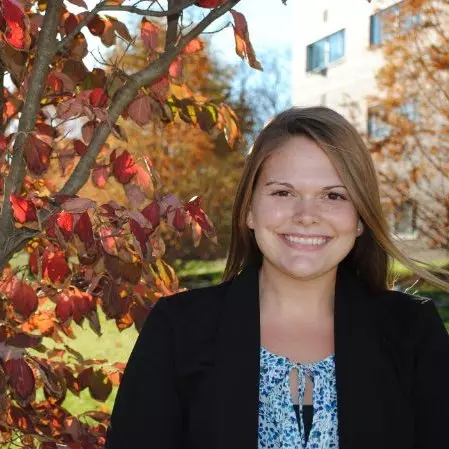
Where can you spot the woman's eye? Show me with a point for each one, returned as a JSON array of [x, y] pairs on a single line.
[[280, 193], [332, 195]]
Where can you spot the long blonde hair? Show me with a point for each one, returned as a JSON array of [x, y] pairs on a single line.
[[373, 251]]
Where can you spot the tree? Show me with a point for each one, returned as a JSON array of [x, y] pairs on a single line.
[[84, 255], [189, 160], [409, 117], [259, 96]]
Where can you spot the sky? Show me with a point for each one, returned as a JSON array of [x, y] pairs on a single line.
[[271, 29], [270, 24]]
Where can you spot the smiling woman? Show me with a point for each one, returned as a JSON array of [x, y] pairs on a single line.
[[304, 344], [302, 221]]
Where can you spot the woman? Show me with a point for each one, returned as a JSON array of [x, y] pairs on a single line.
[[303, 344]]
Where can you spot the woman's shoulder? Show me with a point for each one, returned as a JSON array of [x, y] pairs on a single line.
[[411, 312], [196, 305]]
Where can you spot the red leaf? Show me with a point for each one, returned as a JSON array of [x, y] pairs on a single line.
[[98, 97], [37, 154], [60, 82], [80, 3], [100, 176], [135, 196], [24, 340], [100, 386], [153, 213], [87, 131], [23, 210], [33, 262], [175, 69], [120, 28], [55, 84], [194, 46], [108, 240], [22, 296], [78, 205], [96, 26], [70, 108], [4, 143], [160, 88], [70, 23], [21, 377], [243, 46], [65, 160], [83, 304], [80, 147], [83, 229], [179, 220], [140, 110], [54, 265], [64, 308], [193, 207], [149, 33], [143, 178], [18, 418], [84, 376], [17, 24], [78, 47], [141, 235], [124, 167], [209, 3], [65, 224]]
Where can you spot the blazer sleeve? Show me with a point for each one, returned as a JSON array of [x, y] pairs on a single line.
[[147, 411], [430, 388]]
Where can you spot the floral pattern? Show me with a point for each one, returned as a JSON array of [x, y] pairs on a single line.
[[278, 426]]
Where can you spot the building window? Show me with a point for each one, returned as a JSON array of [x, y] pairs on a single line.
[[405, 223], [379, 129], [390, 20], [326, 50], [410, 111]]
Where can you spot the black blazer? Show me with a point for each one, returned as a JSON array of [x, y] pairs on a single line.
[[192, 381]]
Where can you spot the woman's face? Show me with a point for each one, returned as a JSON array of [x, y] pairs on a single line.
[[303, 219]]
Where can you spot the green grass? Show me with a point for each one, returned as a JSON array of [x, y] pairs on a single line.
[[113, 345], [116, 346], [402, 271]]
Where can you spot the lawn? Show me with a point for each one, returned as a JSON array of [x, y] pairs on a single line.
[[116, 346]]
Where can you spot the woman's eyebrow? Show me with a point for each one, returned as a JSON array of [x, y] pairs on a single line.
[[286, 184]]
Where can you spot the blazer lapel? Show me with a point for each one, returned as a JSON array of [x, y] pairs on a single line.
[[238, 364], [360, 392], [357, 348]]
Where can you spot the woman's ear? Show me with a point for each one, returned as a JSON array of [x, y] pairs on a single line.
[[250, 220], [360, 228]]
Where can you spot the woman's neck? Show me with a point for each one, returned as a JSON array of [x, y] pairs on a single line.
[[287, 296]]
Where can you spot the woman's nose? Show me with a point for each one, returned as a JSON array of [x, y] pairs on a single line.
[[305, 210]]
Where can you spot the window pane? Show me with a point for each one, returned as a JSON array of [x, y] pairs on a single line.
[[315, 55], [337, 46], [406, 218], [375, 31]]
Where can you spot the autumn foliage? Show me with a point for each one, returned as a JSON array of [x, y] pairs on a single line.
[[410, 141], [84, 255]]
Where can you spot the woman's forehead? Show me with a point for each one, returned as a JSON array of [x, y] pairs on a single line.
[[297, 164]]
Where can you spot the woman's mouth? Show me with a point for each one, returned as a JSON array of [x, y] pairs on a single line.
[[305, 243]]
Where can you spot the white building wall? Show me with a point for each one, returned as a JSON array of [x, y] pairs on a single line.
[[352, 77]]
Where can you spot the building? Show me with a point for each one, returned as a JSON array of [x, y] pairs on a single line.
[[335, 58]]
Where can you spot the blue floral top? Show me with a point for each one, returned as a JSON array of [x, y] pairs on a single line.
[[278, 425]]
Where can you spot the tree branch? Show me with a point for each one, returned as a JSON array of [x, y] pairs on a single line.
[[172, 26], [2, 97], [102, 6], [211, 17], [41, 66], [127, 93]]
